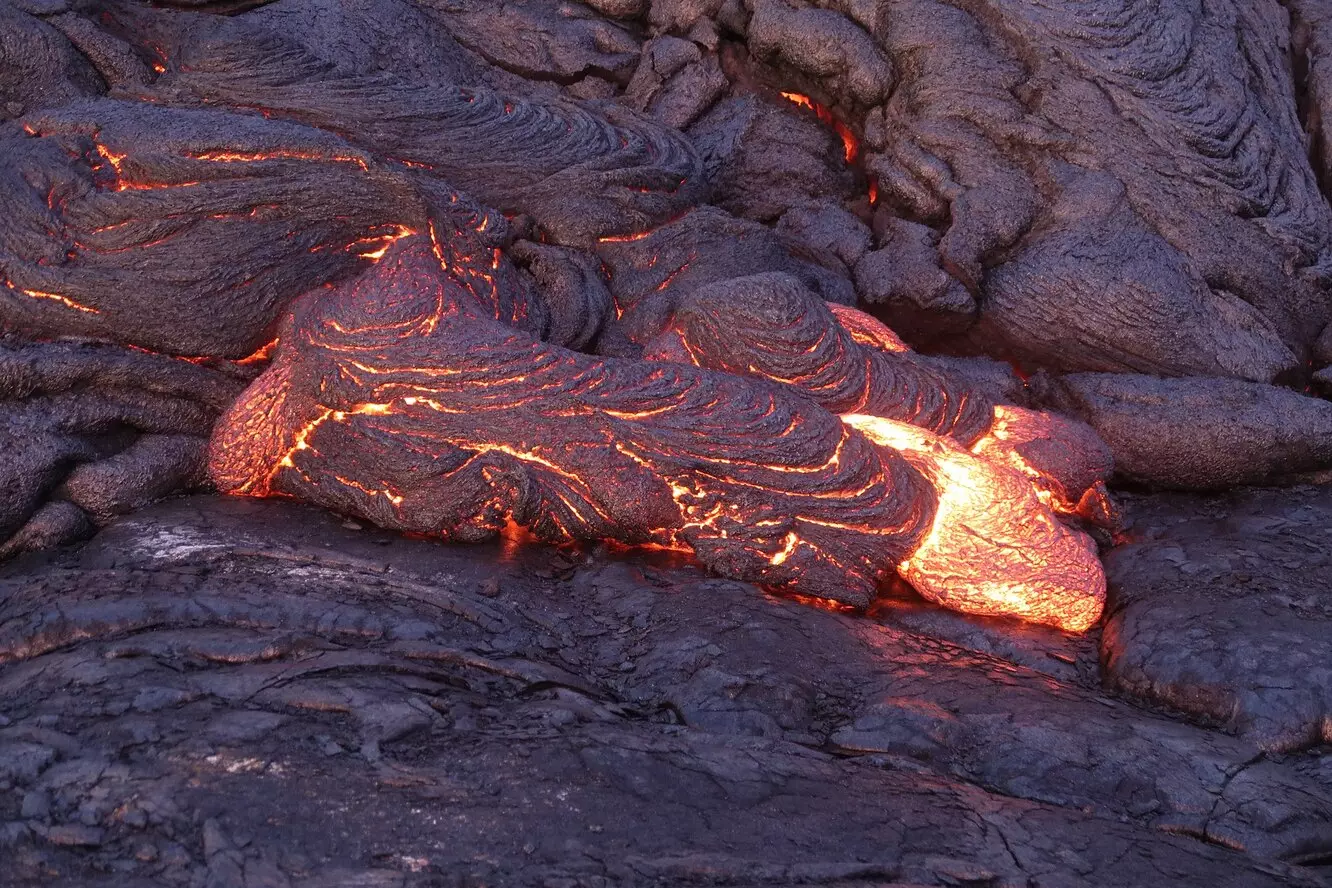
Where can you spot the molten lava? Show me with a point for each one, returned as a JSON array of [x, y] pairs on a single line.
[[408, 397], [993, 547], [850, 145], [1066, 461]]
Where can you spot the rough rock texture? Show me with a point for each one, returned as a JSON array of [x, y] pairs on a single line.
[[1099, 190], [244, 692], [1112, 164], [182, 231], [769, 326], [38, 66], [1220, 608], [92, 431], [1311, 47], [581, 172]]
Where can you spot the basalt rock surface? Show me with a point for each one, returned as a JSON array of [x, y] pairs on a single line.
[[235, 691], [646, 226], [1199, 433], [1219, 608]]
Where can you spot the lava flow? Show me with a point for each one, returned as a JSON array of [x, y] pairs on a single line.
[[993, 547], [400, 397]]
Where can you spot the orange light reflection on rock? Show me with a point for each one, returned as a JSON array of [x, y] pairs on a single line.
[[867, 329]]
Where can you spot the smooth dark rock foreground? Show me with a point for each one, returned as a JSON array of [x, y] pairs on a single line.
[[231, 692], [1221, 608]]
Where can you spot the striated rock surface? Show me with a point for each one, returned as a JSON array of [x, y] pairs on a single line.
[[1198, 433], [401, 399]]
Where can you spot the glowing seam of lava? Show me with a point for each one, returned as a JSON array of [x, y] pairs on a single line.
[[280, 154], [680, 493], [831, 462], [111, 157], [54, 297], [476, 447], [259, 355], [121, 185], [850, 147], [382, 241], [370, 491]]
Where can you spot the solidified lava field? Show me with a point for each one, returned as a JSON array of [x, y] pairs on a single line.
[[655, 442]]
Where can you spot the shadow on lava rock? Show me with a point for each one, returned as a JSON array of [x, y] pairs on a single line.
[[228, 690]]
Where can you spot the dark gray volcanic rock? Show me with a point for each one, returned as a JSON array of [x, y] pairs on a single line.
[[1149, 148], [1311, 48], [92, 431], [230, 689], [39, 68], [1198, 433], [185, 231], [232, 693], [1220, 608]]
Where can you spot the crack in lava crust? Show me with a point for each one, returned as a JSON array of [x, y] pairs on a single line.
[[399, 397], [403, 398]]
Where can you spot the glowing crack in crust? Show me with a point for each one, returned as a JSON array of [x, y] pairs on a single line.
[[399, 397]]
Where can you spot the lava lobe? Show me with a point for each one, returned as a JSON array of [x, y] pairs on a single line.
[[402, 396]]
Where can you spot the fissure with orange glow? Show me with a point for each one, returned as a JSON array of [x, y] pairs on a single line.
[[850, 144]]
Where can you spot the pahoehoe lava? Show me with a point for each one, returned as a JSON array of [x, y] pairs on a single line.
[[494, 442]]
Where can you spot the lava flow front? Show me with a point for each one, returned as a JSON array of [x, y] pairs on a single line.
[[401, 397]]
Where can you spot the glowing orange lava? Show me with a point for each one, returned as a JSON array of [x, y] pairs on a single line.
[[993, 548], [253, 156], [54, 297], [374, 246], [1017, 434], [850, 145], [260, 355]]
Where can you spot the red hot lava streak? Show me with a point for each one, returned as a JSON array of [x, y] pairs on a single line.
[[401, 398], [850, 145]]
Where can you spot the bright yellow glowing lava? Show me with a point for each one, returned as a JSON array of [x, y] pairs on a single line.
[[994, 548]]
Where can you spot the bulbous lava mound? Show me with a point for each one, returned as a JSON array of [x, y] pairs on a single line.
[[402, 398]]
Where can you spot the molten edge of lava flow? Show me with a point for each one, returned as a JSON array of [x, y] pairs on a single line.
[[994, 548], [1065, 460]]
